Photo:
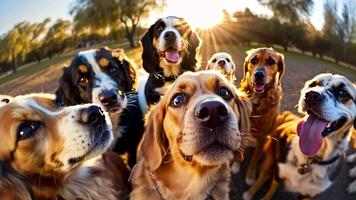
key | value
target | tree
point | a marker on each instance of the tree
(292, 11)
(128, 13)
(38, 34)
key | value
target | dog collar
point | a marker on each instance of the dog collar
(305, 168)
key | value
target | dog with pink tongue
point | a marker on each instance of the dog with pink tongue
(316, 152)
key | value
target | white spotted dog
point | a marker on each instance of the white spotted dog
(316, 152)
(53, 152)
(222, 62)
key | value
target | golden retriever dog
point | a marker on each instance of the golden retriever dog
(316, 149)
(191, 136)
(51, 152)
(263, 69)
(222, 62)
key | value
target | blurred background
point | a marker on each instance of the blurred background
(39, 37)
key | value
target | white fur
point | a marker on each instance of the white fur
(318, 180)
(221, 56)
(141, 94)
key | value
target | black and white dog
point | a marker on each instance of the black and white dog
(106, 77)
(170, 47)
(316, 153)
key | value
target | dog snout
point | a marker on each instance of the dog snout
(211, 113)
(108, 98)
(313, 98)
(222, 63)
(92, 116)
(170, 36)
(260, 74)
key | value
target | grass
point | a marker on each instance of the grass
(35, 67)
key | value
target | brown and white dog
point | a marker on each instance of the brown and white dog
(263, 69)
(222, 62)
(170, 47)
(190, 137)
(45, 152)
(316, 152)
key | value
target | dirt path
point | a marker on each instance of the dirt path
(298, 70)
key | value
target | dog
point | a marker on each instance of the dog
(108, 78)
(190, 137)
(51, 152)
(315, 151)
(170, 47)
(222, 62)
(263, 69)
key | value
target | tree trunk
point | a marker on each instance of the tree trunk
(14, 66)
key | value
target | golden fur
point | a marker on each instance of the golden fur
(162, 170)
(265, 105)
(34, 166)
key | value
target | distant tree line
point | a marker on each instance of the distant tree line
(290, 28)
(94, 21)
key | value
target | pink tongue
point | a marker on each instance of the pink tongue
(259, 87)
(172, 55)
(310, 137)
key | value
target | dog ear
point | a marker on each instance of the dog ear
(281, 66)
(245, 109)
(66, 93)
(149, 53)
(13, 185)
(191, 60)
(245, 65)
(154, 142)
(129, 69)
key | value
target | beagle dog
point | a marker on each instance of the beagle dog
(191, 136)
(222, 62)
(51, 152)
(263, 70)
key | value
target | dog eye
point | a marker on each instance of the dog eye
(5, 100)
(214, 60)
(27, 129)
(113, 69)
(228, 60)
(225, 93)
(343, 96)
(270, 62)
(253, 61)
(83, 81)
(178, 100)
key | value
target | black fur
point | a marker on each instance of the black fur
(131, 128)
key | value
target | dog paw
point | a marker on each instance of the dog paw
(246, 196)
(249, 181)
(351, 158)
(352, 187)
(352, 173)
(235, 168)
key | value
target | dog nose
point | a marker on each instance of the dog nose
(108, 98)
(211, 113)
(221, 63)
(170, 36)
(92, 116)
(313, 97)
(260, 74)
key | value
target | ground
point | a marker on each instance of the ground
(299, 68)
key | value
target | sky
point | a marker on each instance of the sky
(198, 11)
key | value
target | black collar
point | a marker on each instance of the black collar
(304, 168)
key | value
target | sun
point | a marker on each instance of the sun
(204, 20)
